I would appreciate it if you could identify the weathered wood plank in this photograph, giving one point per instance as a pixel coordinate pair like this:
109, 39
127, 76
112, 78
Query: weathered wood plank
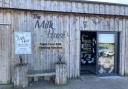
84, 23
112, 24
67, 41
122, 45
102, 9
116, 10
4, 55
71, 46
122, 10
126, 52
61, 74
20, 76
126, 10
112, 9
97, 8
55, 25
91, 8
65, 6
77, 42
6, 3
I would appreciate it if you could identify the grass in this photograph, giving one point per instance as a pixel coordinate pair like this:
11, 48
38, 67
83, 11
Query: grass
107, 45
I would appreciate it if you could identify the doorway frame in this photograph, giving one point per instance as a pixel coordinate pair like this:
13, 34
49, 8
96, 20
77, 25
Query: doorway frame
117, 51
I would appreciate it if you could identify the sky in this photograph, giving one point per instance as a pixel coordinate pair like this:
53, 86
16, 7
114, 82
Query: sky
106, 38
114, 1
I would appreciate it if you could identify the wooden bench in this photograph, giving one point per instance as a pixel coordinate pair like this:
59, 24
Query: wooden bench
44, 73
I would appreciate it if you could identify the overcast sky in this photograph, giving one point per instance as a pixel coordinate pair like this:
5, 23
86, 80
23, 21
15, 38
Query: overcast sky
114, 1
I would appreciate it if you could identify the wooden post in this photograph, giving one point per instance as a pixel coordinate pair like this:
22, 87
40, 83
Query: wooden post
20, 76
61, 74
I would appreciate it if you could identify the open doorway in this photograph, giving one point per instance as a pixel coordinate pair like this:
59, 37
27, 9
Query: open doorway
88, 52
99, 53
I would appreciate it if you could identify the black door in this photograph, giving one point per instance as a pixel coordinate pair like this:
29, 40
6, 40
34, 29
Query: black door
88, 52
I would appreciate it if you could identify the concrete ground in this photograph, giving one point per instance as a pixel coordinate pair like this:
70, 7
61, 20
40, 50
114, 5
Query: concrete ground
85, 82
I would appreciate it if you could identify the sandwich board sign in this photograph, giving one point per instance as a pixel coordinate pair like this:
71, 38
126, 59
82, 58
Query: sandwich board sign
22, 43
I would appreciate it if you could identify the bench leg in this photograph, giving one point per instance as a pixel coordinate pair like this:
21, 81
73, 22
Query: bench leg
35, 79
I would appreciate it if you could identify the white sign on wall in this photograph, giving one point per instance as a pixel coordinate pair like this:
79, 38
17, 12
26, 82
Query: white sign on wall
22, 42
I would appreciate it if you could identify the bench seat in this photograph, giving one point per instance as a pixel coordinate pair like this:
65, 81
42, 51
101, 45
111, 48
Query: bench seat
40, 73
37, 73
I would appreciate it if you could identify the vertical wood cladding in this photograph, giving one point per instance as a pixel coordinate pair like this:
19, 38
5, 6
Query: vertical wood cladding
55, 34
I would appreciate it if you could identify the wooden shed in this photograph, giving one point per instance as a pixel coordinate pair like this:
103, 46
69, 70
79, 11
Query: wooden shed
91, 37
